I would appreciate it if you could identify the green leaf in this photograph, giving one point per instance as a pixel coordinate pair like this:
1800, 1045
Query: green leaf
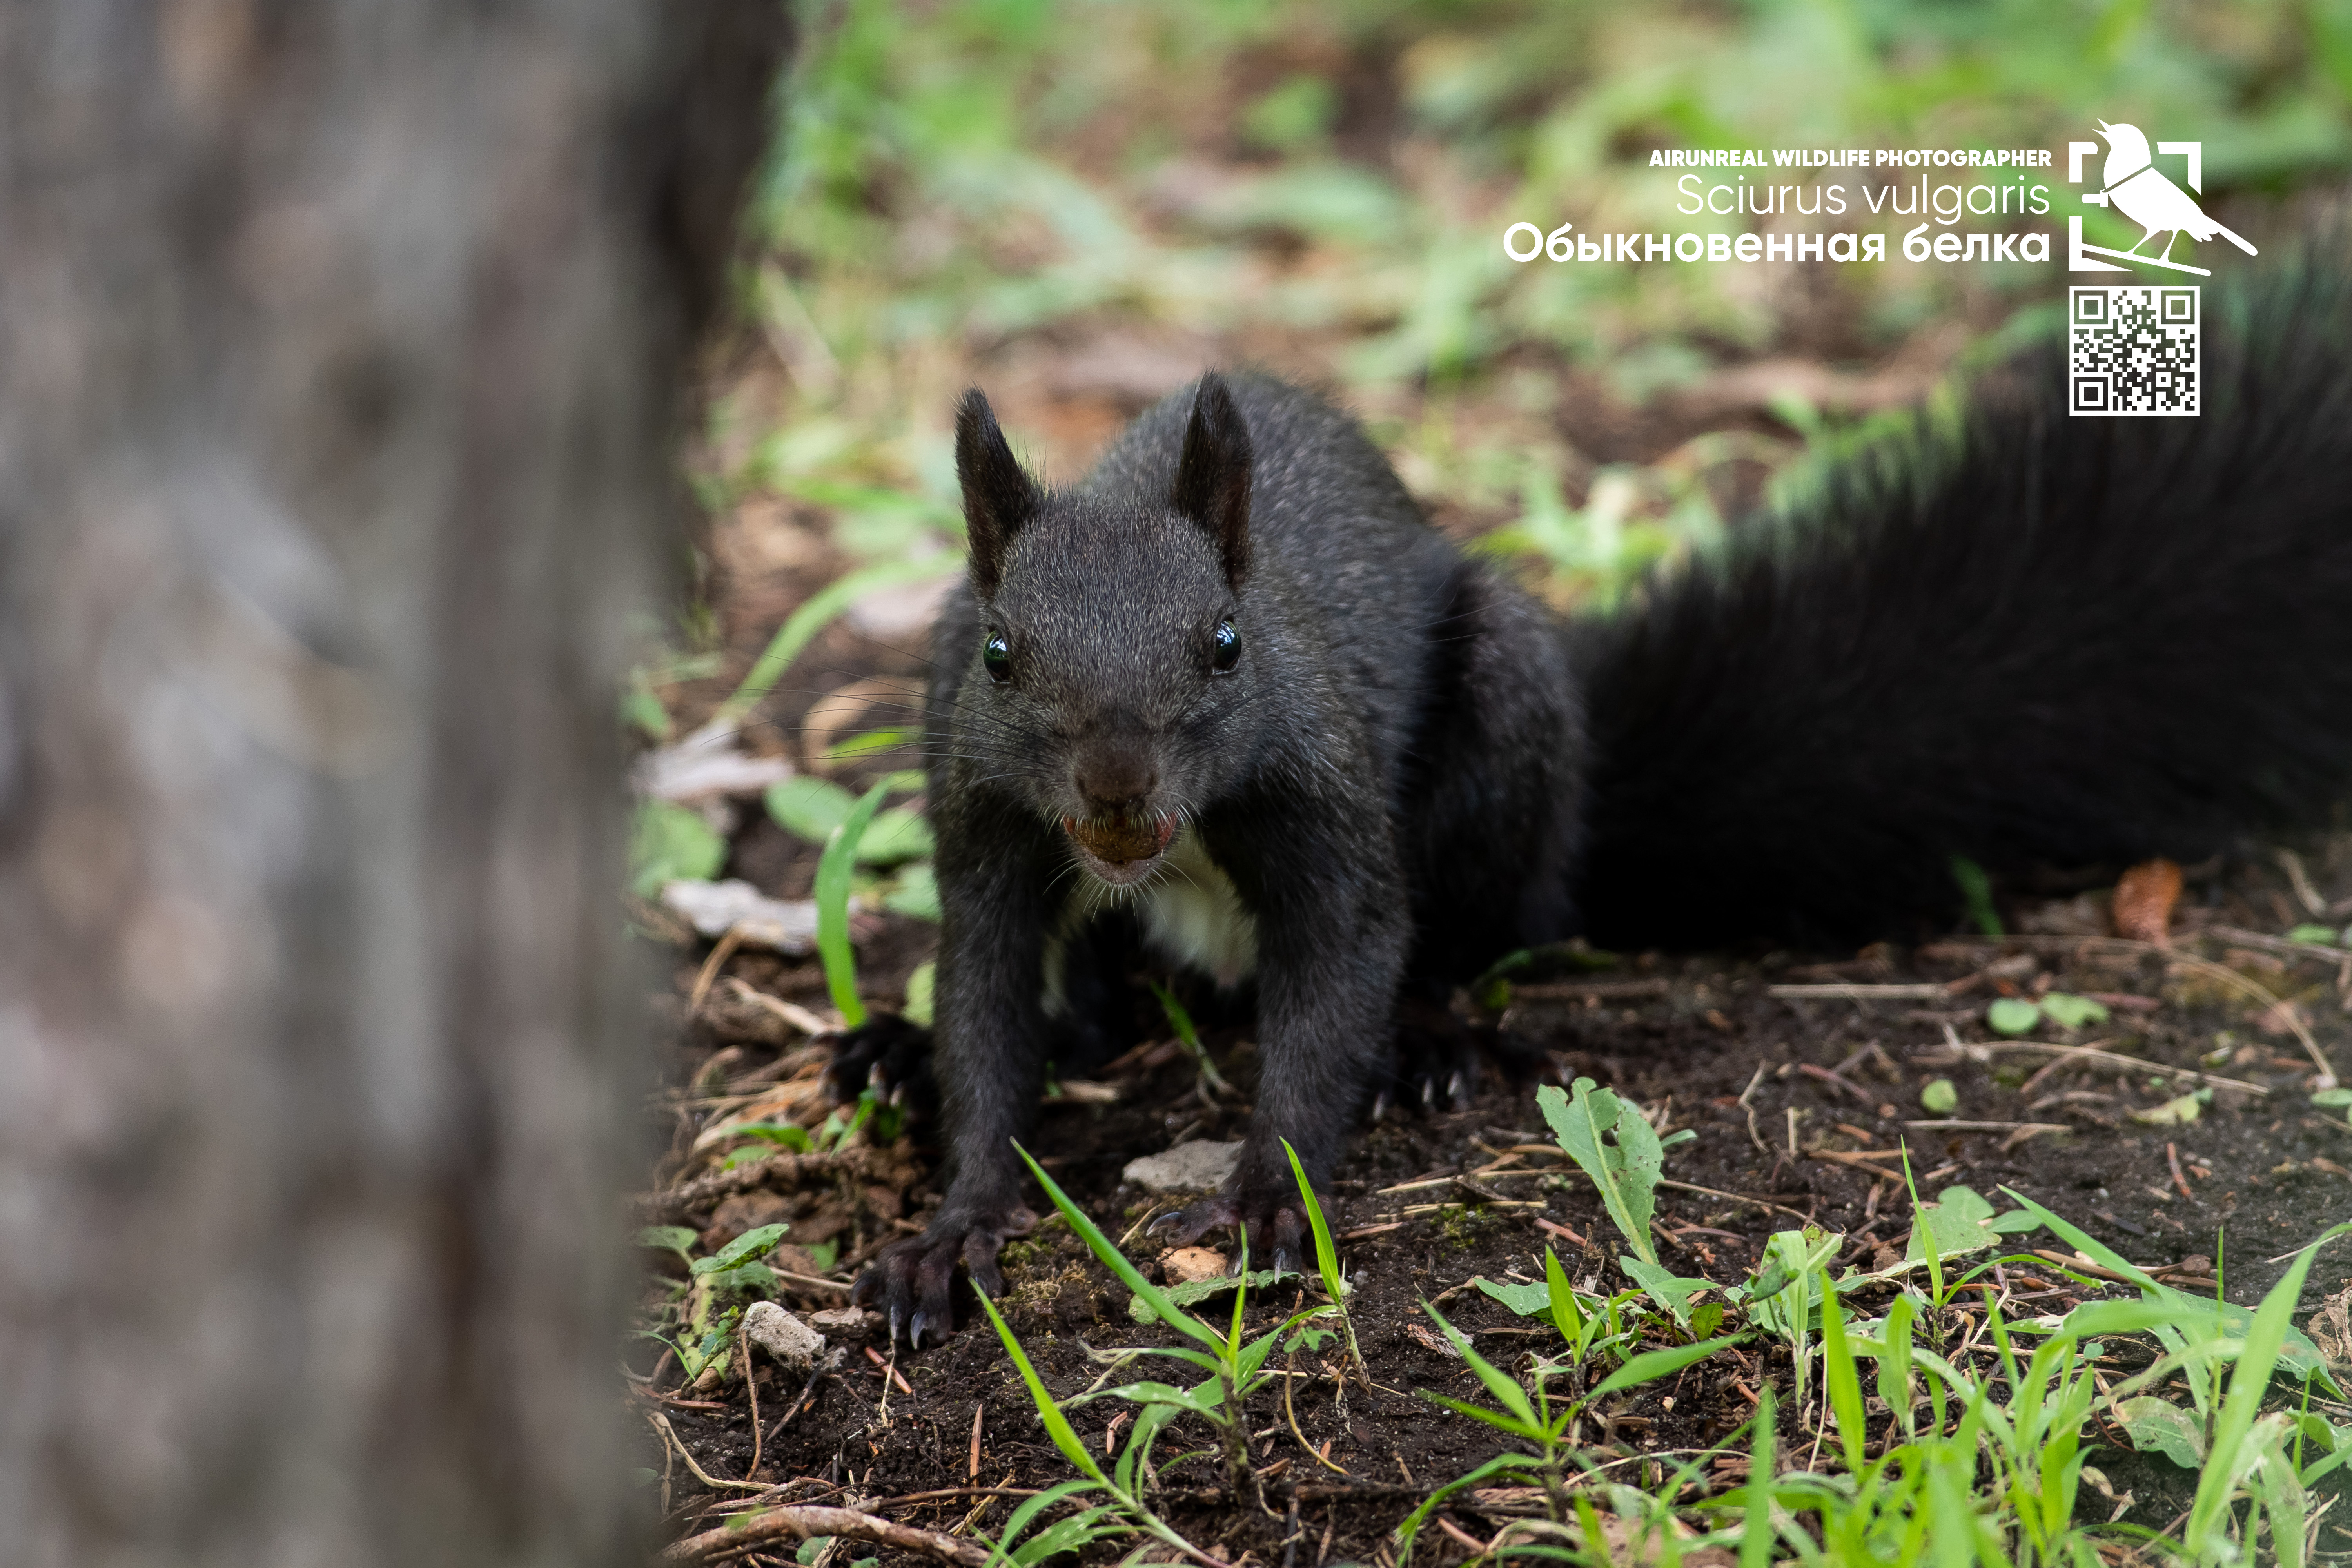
2155, 1426
2175, 1112
922, 987
867, 744
2232, 1453
897, 835
809, 808
1663, 1285
1939, 1097
2072, 1012
1976, 892
2332, 1098
1526, 1300
745, 1276
1626, 1171
2012, 1015
796, 1139
914, 893
641, 708
750, 1244
2323, 936
1192, 1293
1206, 1399
1566, 1314
677, 1238
1959, 1220
1791, 1258
1652, 1365
671, 844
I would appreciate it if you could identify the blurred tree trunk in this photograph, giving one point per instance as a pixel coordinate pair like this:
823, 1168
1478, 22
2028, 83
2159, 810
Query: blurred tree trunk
339, 345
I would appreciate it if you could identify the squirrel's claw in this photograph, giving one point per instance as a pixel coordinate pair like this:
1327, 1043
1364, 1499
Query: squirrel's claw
910, 1280
1279, 1219
889, 1055
1182, 1227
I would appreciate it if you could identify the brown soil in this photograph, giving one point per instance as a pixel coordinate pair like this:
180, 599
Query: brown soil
1692, 1036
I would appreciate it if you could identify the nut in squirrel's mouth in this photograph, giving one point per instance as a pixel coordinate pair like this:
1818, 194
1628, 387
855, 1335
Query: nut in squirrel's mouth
1122, 847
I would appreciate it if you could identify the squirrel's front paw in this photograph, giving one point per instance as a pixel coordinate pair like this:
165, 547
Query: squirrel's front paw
891, 1055
1263, 1215
909, 1280
1436, 1061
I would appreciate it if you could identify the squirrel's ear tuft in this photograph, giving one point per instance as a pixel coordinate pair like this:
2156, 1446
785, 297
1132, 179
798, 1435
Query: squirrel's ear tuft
1213, 480
998, 497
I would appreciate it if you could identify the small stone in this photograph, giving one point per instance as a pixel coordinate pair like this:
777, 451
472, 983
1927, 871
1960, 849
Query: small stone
843, 1320
781, 1335
1188, 1264
1194, 1166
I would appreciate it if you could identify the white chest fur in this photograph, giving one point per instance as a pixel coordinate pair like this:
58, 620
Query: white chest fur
1191, 916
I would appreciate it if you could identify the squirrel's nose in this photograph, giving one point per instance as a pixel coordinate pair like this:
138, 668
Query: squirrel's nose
1114, 778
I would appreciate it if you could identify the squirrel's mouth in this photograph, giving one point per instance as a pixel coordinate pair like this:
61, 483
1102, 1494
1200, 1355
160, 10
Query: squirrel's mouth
1121, 847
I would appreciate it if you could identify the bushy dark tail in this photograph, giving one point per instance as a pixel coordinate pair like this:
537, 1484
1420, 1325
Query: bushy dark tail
2014, 635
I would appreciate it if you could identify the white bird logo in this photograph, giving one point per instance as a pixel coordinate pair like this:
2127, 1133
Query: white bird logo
2138, 189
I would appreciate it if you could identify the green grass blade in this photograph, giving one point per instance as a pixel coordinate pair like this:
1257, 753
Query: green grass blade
1895, 1360
1763, 1453
1327, 1255
2228, 1459
1502, 1464
1233, 1351
816, 612
1167, 1311
833, 871
2090, 1248
1057, 1425
1494, 1418
1845, 1382
1031, 1508
1070, 1534
1500, 1383
1189, 1038
1565, 1316
1651, 1365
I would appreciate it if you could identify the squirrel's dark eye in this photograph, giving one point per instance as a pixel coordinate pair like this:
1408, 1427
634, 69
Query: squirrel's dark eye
997, 655
1225, 648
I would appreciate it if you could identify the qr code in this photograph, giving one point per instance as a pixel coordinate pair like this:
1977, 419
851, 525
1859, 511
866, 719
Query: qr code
2133, 350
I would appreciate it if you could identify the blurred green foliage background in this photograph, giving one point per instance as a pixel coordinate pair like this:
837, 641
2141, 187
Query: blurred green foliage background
1003, 190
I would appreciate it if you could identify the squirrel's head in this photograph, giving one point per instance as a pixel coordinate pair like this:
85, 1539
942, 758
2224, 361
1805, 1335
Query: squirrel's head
1114, 656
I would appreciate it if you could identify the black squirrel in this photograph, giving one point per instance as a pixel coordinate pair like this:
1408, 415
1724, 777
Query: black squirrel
1234, 698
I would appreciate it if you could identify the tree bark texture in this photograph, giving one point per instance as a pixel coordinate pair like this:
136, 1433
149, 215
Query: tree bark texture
339, 349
